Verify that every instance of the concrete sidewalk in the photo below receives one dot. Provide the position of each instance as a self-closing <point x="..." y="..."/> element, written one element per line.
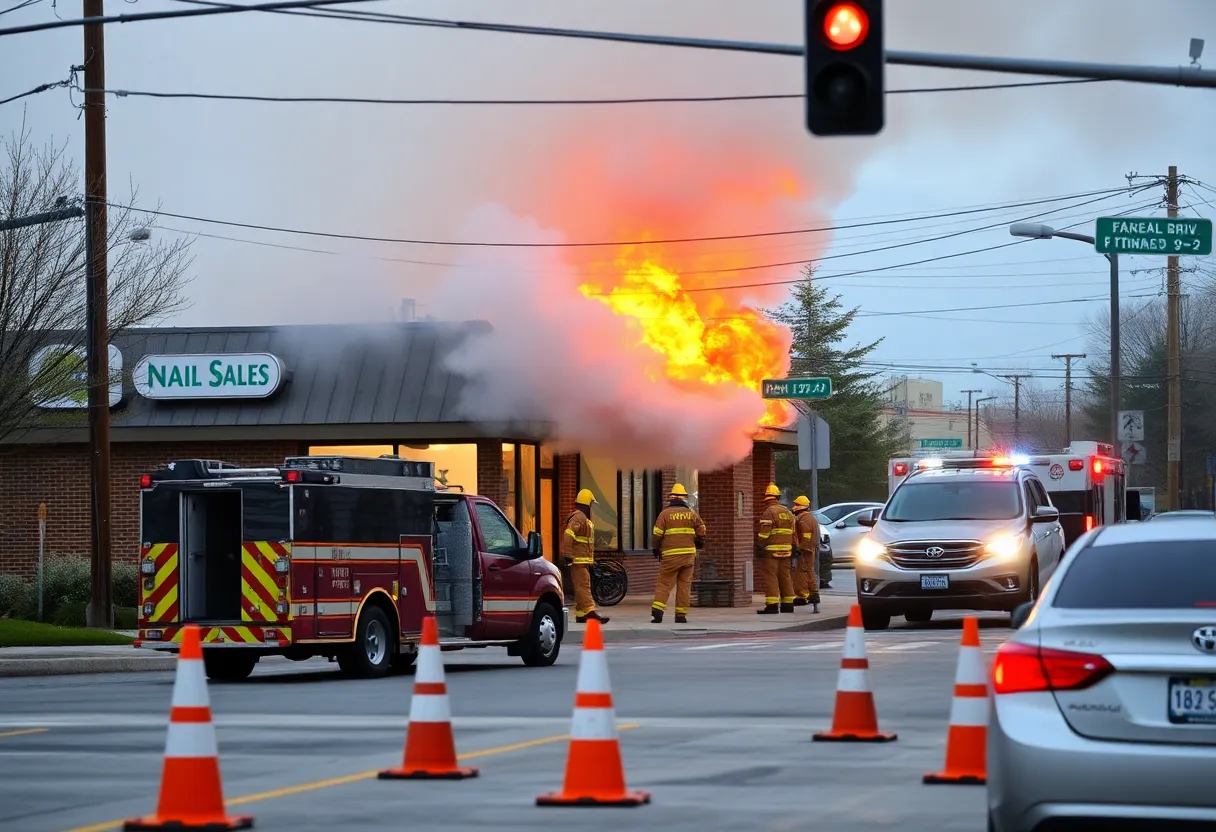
<point x="630" y="619"/>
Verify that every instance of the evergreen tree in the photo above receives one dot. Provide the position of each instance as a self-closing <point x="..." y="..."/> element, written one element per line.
<point x="862" y="441"/>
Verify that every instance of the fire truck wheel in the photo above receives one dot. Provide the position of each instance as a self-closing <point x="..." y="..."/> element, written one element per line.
<point x="228" y="665"/>
<point x="539" y="648"/>
<point x="371" y="653"/>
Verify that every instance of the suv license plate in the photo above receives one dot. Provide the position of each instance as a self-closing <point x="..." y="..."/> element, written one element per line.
<point x="934" y="581"/>
<point x="1192" y="700"/>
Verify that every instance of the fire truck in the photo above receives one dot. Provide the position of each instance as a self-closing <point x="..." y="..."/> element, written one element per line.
<point x="340" y="557"/>
<point x="1087" y="482"/>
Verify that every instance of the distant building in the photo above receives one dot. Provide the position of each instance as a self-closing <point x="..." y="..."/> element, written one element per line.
<point x="917" y="405"/>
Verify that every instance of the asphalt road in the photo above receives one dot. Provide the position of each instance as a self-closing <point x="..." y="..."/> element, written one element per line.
<point x="717" y="729"/>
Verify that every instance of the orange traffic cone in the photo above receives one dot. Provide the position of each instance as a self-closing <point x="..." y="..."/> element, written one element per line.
<point x="430" y="747"/>
<point x="855" y="719"/>
<point x="191" y="796"/>
<point x="595" y="775"/>
<point x="967" y="739"/>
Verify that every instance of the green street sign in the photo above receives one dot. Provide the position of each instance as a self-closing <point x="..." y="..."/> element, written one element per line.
<point x="796" y="388"/>
<point x="927" y="444"/>
<point x="1153" y="235"/>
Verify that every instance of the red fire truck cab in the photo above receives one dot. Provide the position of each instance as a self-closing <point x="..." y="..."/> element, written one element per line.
<point x="339" y="557"/>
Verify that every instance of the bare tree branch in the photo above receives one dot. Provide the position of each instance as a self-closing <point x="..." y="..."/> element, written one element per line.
<point x="42" y="284"/>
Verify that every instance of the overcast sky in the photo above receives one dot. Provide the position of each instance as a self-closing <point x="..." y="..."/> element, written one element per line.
<point x="422" y="171"/>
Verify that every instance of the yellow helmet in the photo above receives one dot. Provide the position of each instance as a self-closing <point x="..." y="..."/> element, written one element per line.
<point x="772" y="491"/>
<point x="585" y="497"/>
<point x="801" y="502"/>
<point x="678" y="490"/>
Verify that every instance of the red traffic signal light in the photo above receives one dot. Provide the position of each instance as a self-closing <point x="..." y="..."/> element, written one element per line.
<point x="845" y="26"/>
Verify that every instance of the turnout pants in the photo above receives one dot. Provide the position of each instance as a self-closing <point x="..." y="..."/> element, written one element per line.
<point x="677" y="570"/>
<point x="580" y="576"/>
<point x="775" y="580"/>
<point x="806" y="582"/>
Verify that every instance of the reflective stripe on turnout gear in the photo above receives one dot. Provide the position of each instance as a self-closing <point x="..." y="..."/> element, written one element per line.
<point x="676" y="530"/>
<point x="776" y="530"/>
<point x="578" y="540"/>
<point x="806" y="531"/>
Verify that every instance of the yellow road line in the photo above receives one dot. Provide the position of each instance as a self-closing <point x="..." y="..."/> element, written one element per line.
<point x="350" y="778"/>
<point x="24" y="731"/>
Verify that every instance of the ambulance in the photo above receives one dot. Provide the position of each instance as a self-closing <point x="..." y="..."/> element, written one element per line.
<point x="337" y="557"/>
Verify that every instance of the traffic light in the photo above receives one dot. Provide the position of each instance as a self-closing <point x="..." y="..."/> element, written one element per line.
<point x="844" y="67"/>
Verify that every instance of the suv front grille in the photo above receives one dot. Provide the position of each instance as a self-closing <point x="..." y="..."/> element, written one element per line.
<point x="959" y="554"/>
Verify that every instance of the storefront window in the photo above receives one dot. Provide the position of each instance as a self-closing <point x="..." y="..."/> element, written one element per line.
<point x="508" y="481"/>
<point x="455" y="465"/>
<point x="527" y="489"/>
<point x="599" y="475"/>
<point x="350" y="450"/>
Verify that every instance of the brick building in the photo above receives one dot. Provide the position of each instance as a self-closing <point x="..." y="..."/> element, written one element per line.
<point x="254" y="395"/>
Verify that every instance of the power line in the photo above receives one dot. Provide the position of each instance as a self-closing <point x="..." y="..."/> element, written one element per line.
<point x="914" y="312"/>
<point x="169" y="15"/>
<point x="1106" y="193"/>
<point x="19" y="6"/>
<point x="40" y="88"/>
<point x="687" y="99"/>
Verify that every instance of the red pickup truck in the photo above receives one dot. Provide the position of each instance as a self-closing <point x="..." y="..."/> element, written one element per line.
<point x="339" y="557"/>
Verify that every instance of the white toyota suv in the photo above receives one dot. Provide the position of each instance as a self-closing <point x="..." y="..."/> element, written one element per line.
<point x="958" y="534"/>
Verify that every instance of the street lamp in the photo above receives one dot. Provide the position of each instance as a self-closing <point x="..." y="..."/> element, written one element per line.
<point x="1039" y="231"/>
<point x="979" y="402"/>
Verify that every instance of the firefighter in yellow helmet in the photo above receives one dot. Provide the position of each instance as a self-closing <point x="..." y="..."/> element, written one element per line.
<point x="774" y="546"/>
<point x="578" y="550"/>
<point x="806" y="544"/>
<point x="677" y="535"/>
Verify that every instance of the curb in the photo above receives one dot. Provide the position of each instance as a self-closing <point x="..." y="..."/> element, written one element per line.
<point x="659" y="633"/>
<point x="70" y="666"/>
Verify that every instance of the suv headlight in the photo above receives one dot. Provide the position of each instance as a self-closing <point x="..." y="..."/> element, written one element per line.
<point x="1005" y="547"/>
<point x="868" y="550"/>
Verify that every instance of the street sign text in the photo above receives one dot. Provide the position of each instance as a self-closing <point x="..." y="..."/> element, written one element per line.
<point x="796" y="388"/>
<point x="941" y="443"/>
<point x="1153" y="235"/>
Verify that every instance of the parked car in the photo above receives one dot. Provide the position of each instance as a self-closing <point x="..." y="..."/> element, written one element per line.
<point x="836" y="511"/>
<point x="1104" y="701"/>
<point x="1186" y="514"/>
<point x="844" y="534"/>
<point x="825" y="540"/>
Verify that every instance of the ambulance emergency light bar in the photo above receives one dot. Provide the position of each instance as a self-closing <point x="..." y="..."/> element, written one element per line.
<point x="1098" y="467"/>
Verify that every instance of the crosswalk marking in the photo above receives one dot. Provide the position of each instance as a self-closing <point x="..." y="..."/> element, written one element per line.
<point x="882" y="644"/>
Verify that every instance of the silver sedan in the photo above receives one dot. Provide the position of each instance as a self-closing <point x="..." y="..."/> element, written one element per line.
<point x="1104" y="701"/>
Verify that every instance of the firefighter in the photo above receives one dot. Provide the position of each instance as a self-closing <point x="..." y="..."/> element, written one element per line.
<point x="774" y="546"/>
<point x="806" y="541"/>
<point x="677" y="535"/>
<point x="578" y="550"/>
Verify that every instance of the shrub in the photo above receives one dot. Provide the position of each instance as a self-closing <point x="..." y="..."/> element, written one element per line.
<point x="124" y="578"/>
<point x="18" y="599"/>
<point x="66" y="591"/>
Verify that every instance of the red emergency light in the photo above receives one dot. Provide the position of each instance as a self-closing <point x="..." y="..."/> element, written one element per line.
<point x="1089" y="522"/>
<point x="145" y="481"/>
<point x="1076" y="464"/>
<point x="901" y="469"/>
<point x="1098" y="467"/>
<point x="293" y="476"/>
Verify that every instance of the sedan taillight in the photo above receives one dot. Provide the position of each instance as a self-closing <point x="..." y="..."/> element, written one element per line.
<point x="1021" y="668"/>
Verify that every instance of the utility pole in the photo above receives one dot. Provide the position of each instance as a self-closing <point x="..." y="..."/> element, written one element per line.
<point x="100" y="611"/>
<point x="1173" y="335"/>
<point x="1068" y="359"/>
<point x="1017" y="405"/>
<point x="969" y="392"/>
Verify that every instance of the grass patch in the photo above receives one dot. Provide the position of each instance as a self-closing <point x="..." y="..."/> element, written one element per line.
<point x="15" y="633"/>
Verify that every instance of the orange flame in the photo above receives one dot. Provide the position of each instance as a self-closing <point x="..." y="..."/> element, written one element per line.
<point x="725" y="344"/>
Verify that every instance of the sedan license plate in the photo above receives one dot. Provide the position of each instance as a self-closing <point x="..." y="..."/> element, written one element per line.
<point x="934" y="581"/>
<point x="1192" y="701"/>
